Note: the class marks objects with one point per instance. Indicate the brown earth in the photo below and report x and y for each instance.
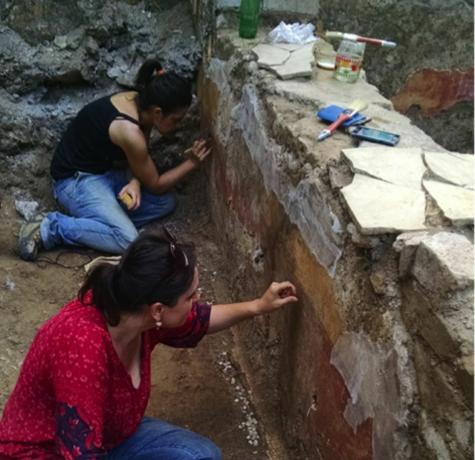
(202, 389)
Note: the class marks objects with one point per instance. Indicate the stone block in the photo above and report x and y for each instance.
(456, 168)
(339, 178)
(406, 244)
(444, 262)
(379, 207)
(361, 241)
(456, 203)
(397, 166)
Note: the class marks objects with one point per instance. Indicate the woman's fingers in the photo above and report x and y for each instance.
(202, 153)
(130, 197)
(205, 154)
(285, 289)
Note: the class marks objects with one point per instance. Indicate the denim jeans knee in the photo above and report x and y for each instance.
(170, 203)
(208, 450)
(124, 236)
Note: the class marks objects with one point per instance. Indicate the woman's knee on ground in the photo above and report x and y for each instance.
(124, 236)
(169, 203)
(208, 450)
(187, 444)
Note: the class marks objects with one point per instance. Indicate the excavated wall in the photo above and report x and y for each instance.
(376, 361)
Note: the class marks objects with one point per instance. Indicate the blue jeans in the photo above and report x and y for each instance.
(96, 219)
(157, 440)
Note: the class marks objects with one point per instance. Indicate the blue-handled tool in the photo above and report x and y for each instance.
(355, 107)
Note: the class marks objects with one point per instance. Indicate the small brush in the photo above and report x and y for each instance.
(355, 107)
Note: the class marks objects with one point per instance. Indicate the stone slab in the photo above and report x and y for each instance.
(299, 64)
(456, 168)
(444, 262)
(325, 90)
(269, 56)
(287, 46)
(285, 60)
(397, 166)
(379, 207)
(456, 203)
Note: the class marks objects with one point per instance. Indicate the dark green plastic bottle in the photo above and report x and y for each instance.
(249, 18)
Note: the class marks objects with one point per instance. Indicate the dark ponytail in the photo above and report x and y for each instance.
(148, 272)
(159, 87)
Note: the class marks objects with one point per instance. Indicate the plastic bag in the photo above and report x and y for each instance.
(295, 33)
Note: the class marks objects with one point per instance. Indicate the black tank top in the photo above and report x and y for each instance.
(86, 145)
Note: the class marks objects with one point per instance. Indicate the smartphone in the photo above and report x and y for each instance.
(374, 135)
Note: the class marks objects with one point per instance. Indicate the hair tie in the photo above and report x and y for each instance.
(159, 73)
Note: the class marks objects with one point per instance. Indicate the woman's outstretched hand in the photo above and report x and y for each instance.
(200, 150)
(130, 195)
(276, 296)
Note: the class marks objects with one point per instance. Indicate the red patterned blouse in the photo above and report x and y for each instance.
(74, 398)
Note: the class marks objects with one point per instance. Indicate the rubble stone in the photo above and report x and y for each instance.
(444, 262)
(406, 244)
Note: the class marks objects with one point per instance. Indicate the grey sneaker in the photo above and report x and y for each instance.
(29, 241)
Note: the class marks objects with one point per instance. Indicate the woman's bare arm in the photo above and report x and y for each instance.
(131, 140)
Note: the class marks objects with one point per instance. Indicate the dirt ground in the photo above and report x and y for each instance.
(201, 389)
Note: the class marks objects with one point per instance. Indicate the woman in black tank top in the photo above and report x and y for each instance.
(87, 185)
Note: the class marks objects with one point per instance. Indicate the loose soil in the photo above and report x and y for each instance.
(202, 389)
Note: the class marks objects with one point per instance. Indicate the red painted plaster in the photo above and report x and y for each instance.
(434, 90)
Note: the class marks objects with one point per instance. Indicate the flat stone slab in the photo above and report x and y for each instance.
(287, 46)
(397, 166)
(456, 168)
(444, 261)
(268, 55)
(298, 65)
(380, 207)
(456, 203)
(325, 90)
(286, 61)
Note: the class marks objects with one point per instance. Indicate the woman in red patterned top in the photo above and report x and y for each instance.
(85, 382)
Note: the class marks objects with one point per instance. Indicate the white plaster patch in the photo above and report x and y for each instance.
(370, 375)
(456, 168)
(398, 166)
(456, 203)
(433, 439)
(305, 203)
(380, 207)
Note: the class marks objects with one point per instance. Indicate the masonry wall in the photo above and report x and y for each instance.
(355, 369)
